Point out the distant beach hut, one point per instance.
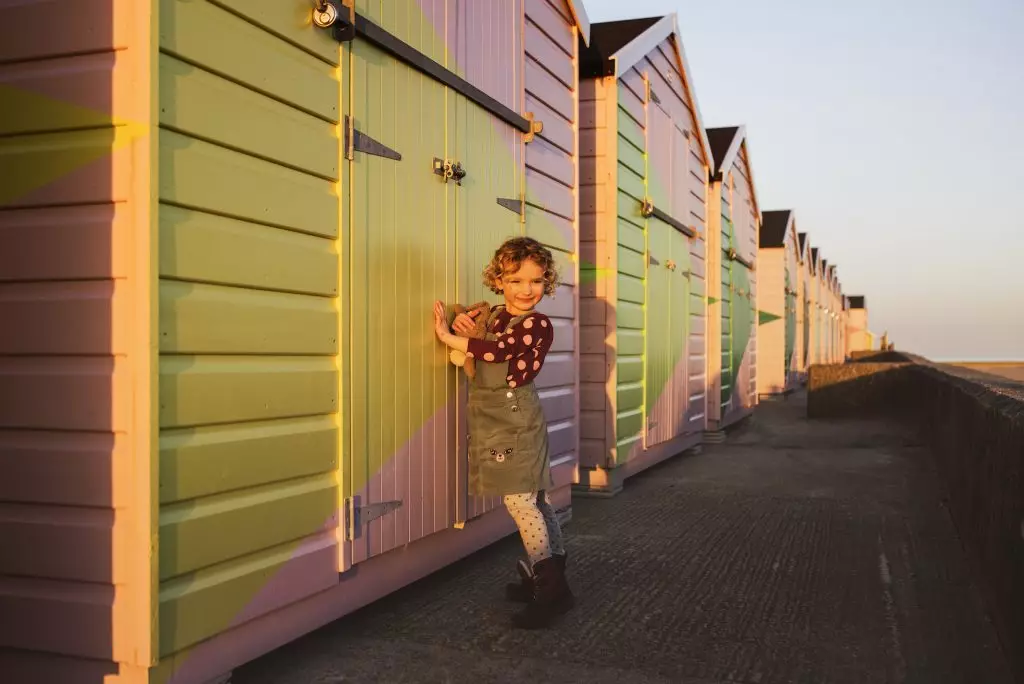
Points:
(644, 170)
(734, 219)
(777, 280)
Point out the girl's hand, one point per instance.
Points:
(464, 322)
(440, 322)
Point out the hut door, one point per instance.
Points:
(488, 211)
(742, 320)
(790, 321)
(681, 290)
(806, 330)
(432, 186)
(661, 310)
(728, 294)
(400, 253)
(488, 201)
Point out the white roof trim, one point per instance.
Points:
(579, 13)
(738, 142)
(638, 48)
(795, 238)
(753, 185)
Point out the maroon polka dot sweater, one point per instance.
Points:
(523, 347)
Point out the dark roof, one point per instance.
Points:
(773, 228)
(721, 140)
(803, 240)
(814, 254)
(857, 302)
(607, 38)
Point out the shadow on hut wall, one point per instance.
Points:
(974, 426)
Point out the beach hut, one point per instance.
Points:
(644, 173)
(802, 306)
(732, 245)
(835, 351)
(226, 421)
(816, 298)
(844, 324)
(777, 279)
(858, 336)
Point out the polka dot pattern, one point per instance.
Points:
(523, 346)
(538, 526)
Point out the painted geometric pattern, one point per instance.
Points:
(742, 307)
(790, 316)
(738, 307)
(397, 401)
(652, 348)
(248, 346)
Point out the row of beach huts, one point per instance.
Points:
(225, 420)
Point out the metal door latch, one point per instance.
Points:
(448, 170)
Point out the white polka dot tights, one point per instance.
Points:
(537, 524)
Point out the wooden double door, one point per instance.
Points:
(432, 185)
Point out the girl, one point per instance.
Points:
(508, 436)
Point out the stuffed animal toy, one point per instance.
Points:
(481, 312)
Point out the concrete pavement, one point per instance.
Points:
(797, 552)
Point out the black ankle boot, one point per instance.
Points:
(551, 595)
(522, 591)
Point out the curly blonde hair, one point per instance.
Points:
(510, 256)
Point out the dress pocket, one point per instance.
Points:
(499, 466)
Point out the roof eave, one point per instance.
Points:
(730, 154)
(753, 185)
(579, 13)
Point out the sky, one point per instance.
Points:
(892, 128)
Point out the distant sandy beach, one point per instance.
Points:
(1014, 370)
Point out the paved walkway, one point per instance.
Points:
(797, 552)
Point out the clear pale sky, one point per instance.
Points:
(893, 129)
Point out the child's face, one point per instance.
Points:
(524, 288)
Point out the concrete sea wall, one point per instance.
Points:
(974, 425)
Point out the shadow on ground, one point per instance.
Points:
(797, 552)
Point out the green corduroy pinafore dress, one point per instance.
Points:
(508, 435)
